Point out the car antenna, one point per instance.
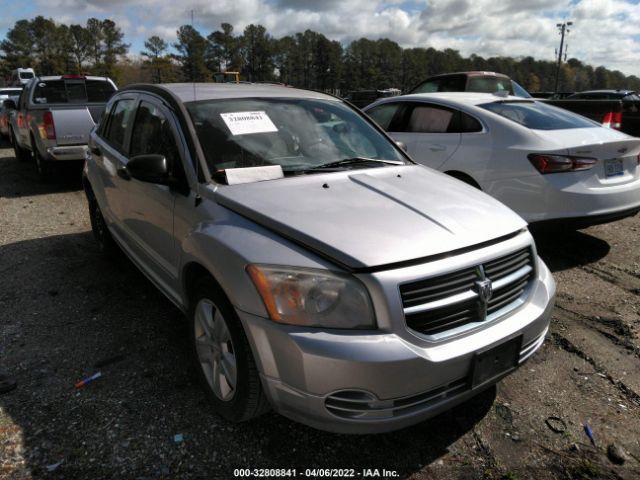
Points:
(198, 199)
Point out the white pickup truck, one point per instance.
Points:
(54, 117)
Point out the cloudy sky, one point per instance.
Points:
(604, 32)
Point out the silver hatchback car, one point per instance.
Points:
(323, 272)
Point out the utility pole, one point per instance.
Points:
(562, 29)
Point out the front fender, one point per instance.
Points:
(225, 248)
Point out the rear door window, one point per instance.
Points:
(539, 116)
(428, 118)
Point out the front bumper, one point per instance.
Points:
(72, 152)
(377, 381)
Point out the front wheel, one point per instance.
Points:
(223, 356)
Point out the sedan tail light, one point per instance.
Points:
(612, 120)
(560, 163)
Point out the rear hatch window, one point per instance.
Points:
(73, 91)
(538, 116)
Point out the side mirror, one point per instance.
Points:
(402, 145)
(9, 104)
(151, 168)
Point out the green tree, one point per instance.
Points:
(257, 52)
(113, 48)
(191, 47)
(80, 46)
(18, 45)
(95, 34)
(158, 62)
(223, 50)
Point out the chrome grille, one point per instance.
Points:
(439, 304)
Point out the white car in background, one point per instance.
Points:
(550, 165)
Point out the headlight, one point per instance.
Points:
(312, 298)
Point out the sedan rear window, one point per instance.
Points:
(539, 116)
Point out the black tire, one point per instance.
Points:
(44, 167)
(244, 400)
(106, 243)
(22, 154)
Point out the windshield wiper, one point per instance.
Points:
(355, 160)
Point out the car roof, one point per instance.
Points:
(188, 92)
(473, 73)
(621, 92)
(70, 77)
(457, 98)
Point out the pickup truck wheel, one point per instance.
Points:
(45, 169)
(101, 233)
(223, 356)
(22, 154)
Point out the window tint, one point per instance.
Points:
(72, 91)
(152, 134)
(519, 91)
(427, 87)
(452, 83)
(468, 124)
(488, 84)
(99, 90)
(26, 75)
(383, 114)
(430, 119)
(539, 116)
(118, 122)
(53, 91)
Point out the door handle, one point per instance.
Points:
(123, 173)
(437, 148)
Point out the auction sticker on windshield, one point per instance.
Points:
(243, 123)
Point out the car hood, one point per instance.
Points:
(373, 217)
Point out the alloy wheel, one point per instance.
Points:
(215, 350)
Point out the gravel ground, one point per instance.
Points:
(65, 309)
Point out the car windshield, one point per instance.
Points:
(538, 116)
(297, 134)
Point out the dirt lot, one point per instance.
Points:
(63, 308)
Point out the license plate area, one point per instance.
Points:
(490, 364)
(613, 167)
